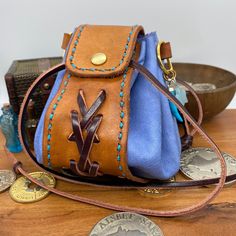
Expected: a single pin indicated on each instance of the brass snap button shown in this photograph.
(98, 58)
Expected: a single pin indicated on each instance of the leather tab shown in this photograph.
(116, 42)
(65, 41)
(166, 51)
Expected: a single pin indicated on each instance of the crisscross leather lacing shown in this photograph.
(90, 123)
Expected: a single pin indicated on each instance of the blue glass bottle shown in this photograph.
(8, 125)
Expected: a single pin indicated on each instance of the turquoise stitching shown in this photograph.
(122, 114)
(121, 125)
(55, 105)
(51, 116)
(71, 58)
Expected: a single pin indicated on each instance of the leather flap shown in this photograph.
(116, 42)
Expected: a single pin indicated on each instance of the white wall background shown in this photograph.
(202, 31)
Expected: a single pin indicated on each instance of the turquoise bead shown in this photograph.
(122, 84)
(62, 91)
(49, 136)
(120, 135)
(73, 49)
(59, 98)
(49, 126)
(121, 124)
(122, 114)
(65, 83)
(48, 147)
(118, 147)
(54, 106)
(71, 58)
(120, 168)
(122, 103)
(126, 46)
(49, 156)
(113, 68)
(121, 94)
(124, 76)
(51, 116)
(68, 76)
(121, 61)
(118, 158)
(73, 65)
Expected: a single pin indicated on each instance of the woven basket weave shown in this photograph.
(21, 75)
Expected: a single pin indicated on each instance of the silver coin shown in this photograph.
(126, 223)
(202, 87)
(203, 163)
(7, 178)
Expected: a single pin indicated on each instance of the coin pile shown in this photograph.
(23, 190)
(202, 163)
(7, 178)
(156, 192)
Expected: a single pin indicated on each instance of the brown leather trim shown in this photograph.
(116, 42)
(65, 41)
(88, 142)
(77, 135)
(84, 146)
(200, 110)
(186, 141)
(187, 138)
(165, 51)
(92, 110)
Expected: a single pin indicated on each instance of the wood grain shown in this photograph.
(58, 216)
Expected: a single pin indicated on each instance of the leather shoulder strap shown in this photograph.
(19, 168)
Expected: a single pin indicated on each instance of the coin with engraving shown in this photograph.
(125, 223)
(203, 163)
(156, 192)
(7, 178)
(24, 191)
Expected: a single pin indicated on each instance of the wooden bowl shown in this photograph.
(213, 101)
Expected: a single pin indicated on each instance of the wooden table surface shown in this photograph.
(59, 216)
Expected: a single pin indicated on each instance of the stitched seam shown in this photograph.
(122, 115)
(121, 125)
(51, 116)
(76, 42)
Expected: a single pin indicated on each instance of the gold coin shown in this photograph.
(24, 191)
(7, 178)
(156, 192)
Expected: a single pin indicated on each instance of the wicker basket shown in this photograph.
(20, 76)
